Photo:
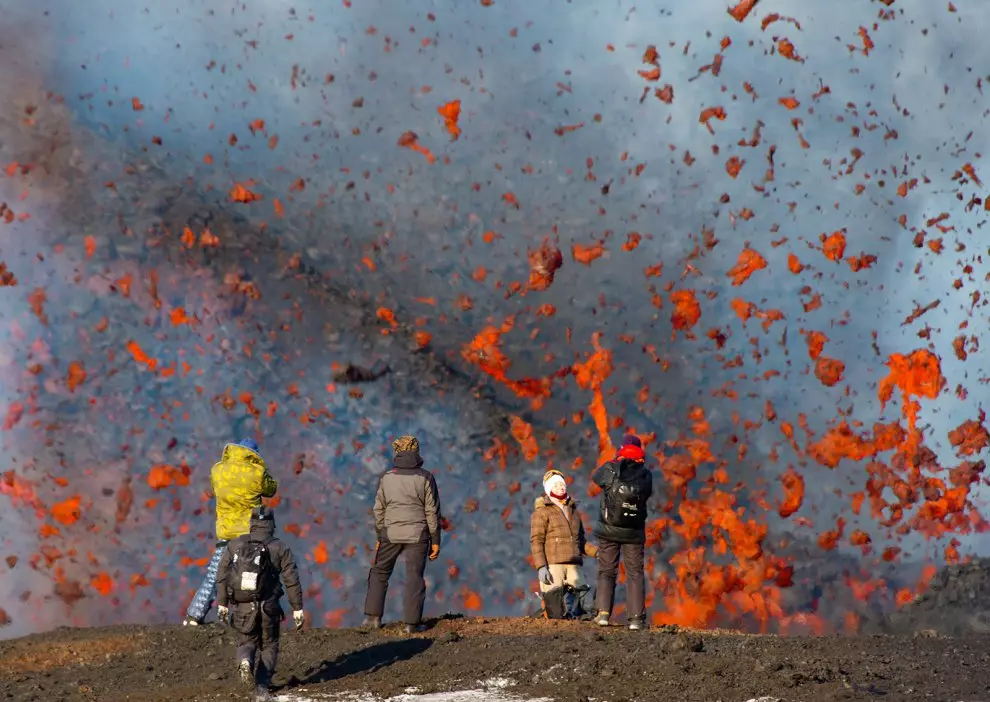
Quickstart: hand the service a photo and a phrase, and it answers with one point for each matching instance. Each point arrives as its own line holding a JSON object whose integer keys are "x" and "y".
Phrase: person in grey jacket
{"x": 407, "y": 523}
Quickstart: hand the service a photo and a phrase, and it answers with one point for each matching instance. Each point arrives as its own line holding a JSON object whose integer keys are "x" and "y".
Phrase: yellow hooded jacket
{"x": 239, "y": 480}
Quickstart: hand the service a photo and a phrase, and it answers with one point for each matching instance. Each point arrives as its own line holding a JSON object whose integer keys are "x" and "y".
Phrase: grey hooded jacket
{"x": 407, "y": 506}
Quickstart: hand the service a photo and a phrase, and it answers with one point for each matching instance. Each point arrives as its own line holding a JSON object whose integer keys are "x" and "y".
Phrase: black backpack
{"x": 250, "y": 572}
{"x": 624, "y": 503}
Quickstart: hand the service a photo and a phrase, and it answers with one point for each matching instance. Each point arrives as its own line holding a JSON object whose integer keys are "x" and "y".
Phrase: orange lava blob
{"x": 451, "y": 113}
{"x": 522, "y": 432}
{"x": 829, "y": 371}
{"x": 239, "y": 193}
{"x": 748, "y": 263}
{"x": 834, "y": 246}
{"x": 68, "y": 511}
{"x": 741, "y": 9}
{"x": 410, "y": 140}
{"x": 591, "y": 375}
{"x": 687, "y": 310}
{"x": 76, "y": 376}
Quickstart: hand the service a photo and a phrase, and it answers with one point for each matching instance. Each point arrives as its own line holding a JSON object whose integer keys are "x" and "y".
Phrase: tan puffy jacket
{"x": 556, "y": 539}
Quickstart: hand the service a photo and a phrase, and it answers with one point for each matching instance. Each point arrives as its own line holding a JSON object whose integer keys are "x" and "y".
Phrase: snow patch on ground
{"x": 492, "y": 690}
{"x": 460, "y": 696}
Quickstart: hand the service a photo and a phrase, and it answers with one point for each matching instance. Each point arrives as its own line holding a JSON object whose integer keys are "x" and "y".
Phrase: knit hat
{"x": 249, "y": 444}
{"x": 406, "y": 443}
{"x": 554, "y": 484}
{"x": 631, "y": 440}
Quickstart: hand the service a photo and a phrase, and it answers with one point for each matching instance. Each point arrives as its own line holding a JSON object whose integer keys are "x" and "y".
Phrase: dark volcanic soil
{"x": 565, "y": 661}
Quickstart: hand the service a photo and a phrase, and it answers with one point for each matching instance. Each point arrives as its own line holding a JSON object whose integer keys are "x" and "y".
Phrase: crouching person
{"x": 250, "y": 579}
{"x": 557, "y": 541}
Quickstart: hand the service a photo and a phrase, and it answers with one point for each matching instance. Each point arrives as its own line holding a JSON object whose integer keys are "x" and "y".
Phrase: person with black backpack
{"x": 627, "y": 486}
{"x": 250, "y": 579}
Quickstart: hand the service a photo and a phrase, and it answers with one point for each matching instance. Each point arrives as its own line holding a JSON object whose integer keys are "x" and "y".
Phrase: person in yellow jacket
{"x": 238, "y": 480}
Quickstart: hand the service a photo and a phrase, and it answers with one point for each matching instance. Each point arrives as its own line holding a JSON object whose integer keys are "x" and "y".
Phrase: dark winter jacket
{"x": 407, "y": 505}
{"x": 630, "y": 471}
{"x": 556, "y": 538}
{"x": 283, "y": 565}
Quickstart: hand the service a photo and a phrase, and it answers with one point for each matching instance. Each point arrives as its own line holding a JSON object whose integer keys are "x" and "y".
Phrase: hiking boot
{"x": 602, "y": 619}
{"x": 247, "y": 675}
{"x": 414, "y": 628}
{"x": 371, "y": 622}
{"x": 189, "y": 621}
{"x": 637, "y": 624}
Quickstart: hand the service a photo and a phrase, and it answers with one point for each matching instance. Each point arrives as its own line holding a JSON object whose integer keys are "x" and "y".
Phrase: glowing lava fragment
{"x": 239, "y": 193}
{"x": 970, "y": 437}
{"x": 163, "y": 476}
{"x": 793, "y": 484}
{"x": 451, "y": 112}
{"x": 68, "y": 511}
{"x": 587, "y": 254}
{"x": 687, "y": 310}
{"x": 410, "y": 140}
{"x": 919, "y": 374}
{"x": 320, "y": 555}
{"x": 543, "y": 264}
{"x": 76, "y": 376}
{"x": 522, "y": 432}
{"x": 829, "y": 371}
{"x": 748, "y": 263}
{"x": 102, "y": 583}
{"x": 140, "y": 356}
{"x": 834, "y": 246}
{"x": 741, "y": 9}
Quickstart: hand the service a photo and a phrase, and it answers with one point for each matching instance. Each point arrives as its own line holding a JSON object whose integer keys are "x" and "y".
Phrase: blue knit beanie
{"x": 249, "y": 444}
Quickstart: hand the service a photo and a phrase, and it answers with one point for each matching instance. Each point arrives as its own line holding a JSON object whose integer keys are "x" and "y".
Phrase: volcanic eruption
{"x": 754, "y": 238}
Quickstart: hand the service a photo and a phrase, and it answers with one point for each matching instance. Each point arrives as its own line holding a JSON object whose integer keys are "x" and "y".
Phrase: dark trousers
{"x": 257, "y": 626}
{"x": 414, "y": 596}
{"x": 608, "y": 569}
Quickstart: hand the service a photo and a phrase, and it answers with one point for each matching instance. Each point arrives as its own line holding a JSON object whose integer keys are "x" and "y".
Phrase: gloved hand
{"x": 297, "y": 617}
{"x": 434, "y": 552}
{"x": 544, "y": 576}
{"x": 223, "y": 614}
{"x": 591, "y": 550}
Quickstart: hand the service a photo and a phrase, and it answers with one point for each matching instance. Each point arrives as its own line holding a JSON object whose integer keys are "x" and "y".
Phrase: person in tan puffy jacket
{"x": 556, "y": 536}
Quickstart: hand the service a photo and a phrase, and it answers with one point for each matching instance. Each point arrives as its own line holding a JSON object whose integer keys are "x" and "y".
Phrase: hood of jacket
{"x": 628, "y": 469}
{"x": 239, "y": 480}
{"x": 263, "y": 528}
{"x": 407, "y": 460}
{"x": 241, "y": 454}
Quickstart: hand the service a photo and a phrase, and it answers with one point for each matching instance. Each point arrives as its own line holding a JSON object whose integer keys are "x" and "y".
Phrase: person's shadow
{"x": 366, "y": 660}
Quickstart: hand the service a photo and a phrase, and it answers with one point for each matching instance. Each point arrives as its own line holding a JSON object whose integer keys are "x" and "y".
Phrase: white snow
{"x": 460, "y": 696}
{"x": 491, "y": 690}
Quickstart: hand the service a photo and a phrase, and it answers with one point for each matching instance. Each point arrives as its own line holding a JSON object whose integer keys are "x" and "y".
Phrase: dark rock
{"x": 449, "y": 637}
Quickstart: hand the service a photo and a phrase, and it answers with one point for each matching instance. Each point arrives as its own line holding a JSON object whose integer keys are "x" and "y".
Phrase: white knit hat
{"x": 553, "y": 481}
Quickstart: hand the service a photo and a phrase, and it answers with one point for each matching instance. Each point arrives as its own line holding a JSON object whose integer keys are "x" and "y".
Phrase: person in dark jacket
{"x": 256, "y": 615}
{"x": 407, "y": 523}
{"x": 627, "y": 485}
